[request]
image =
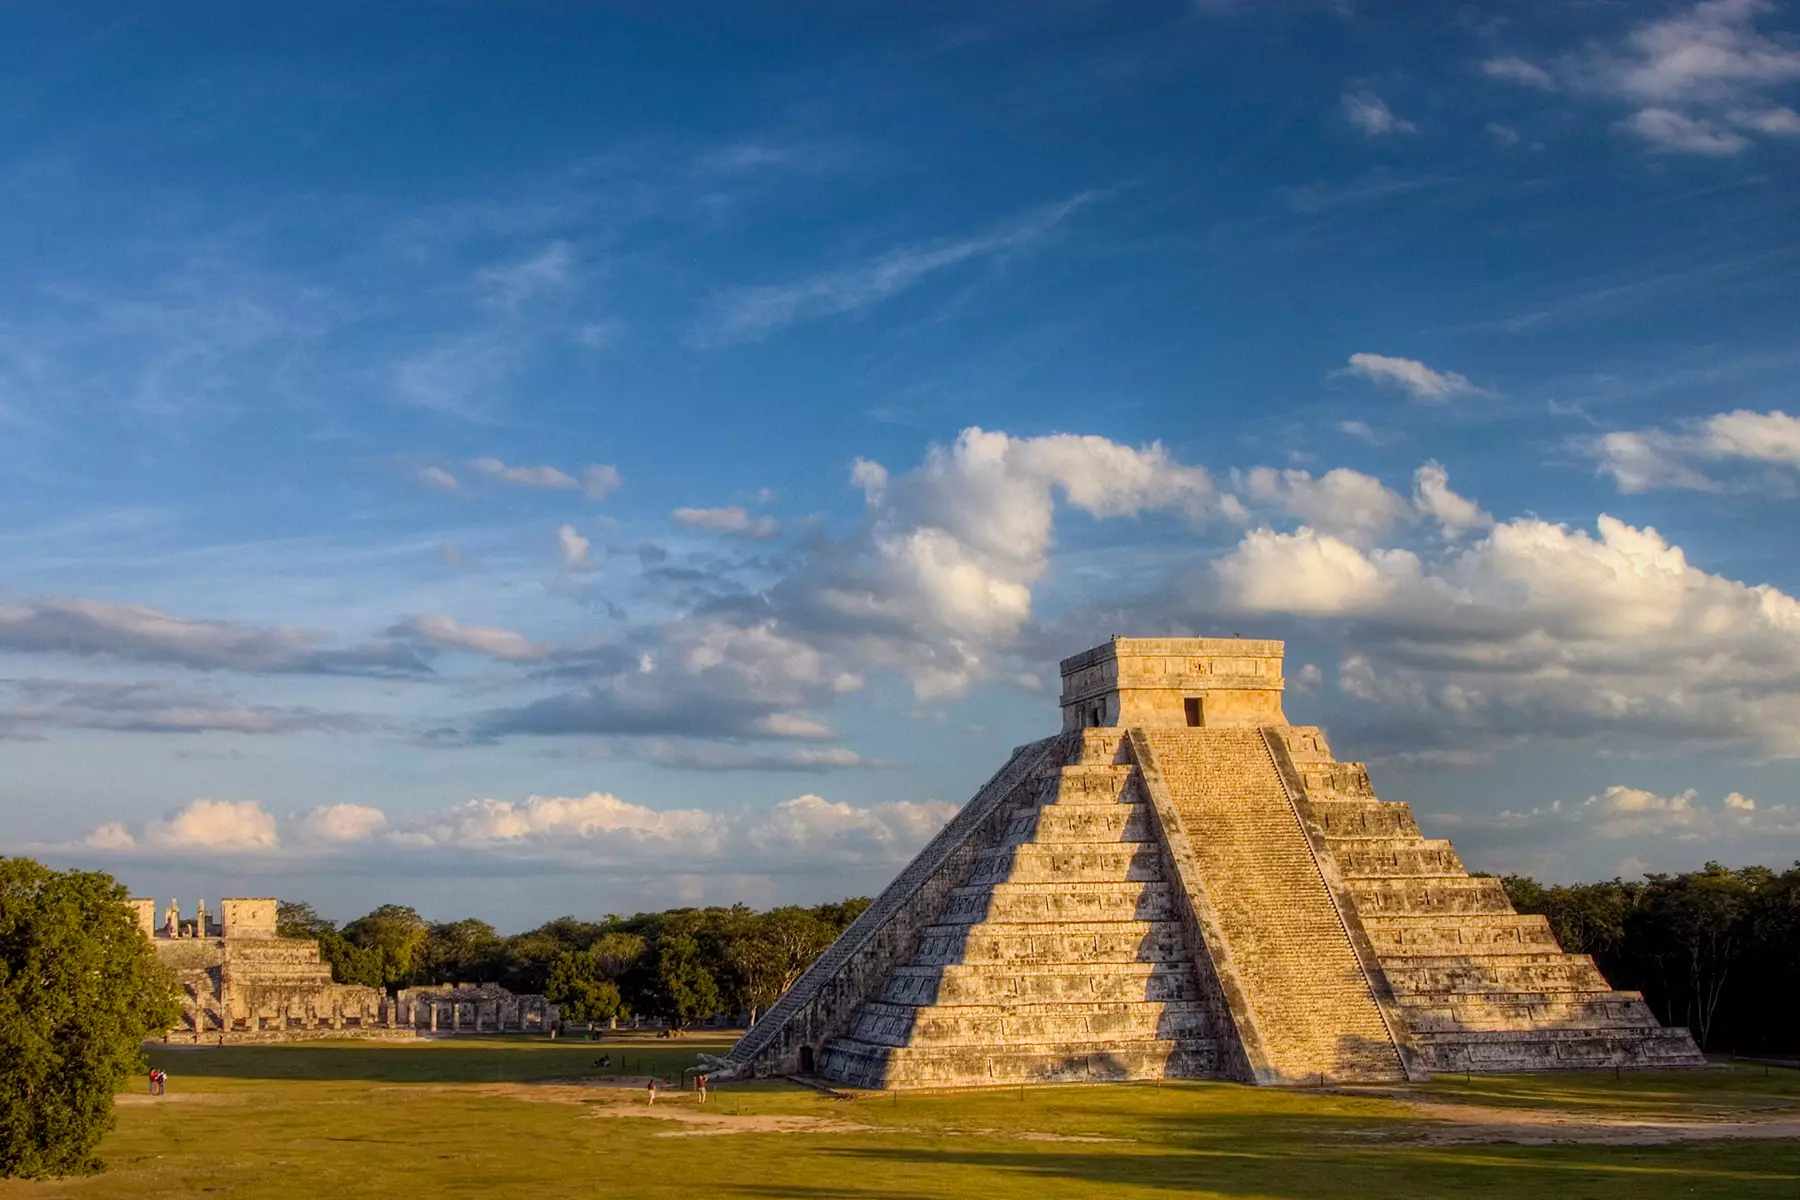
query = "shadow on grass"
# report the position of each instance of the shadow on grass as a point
(475, 1060)
(1245, 1161)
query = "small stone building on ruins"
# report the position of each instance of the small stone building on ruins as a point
(1183, 885)
(242, 981)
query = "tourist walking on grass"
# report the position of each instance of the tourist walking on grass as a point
(653, 1091)
(700, 1086)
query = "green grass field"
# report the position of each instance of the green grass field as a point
(502, 1118)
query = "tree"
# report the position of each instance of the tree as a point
(576, 988)
(80, 989)
(296, 919)
(616, 953)
(1694, 927)
(466, 951)
(397, 933)
(687, 989)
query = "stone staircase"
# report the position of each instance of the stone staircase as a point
(1312, 1005)
(1058, 958)
(1481, 987)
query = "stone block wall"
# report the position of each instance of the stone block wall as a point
(247, 918)
(822, 1003)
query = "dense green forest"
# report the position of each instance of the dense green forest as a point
(1717, 950)
(682, 965)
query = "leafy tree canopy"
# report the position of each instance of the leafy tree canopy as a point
(80, 989)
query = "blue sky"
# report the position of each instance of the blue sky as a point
(536, 458)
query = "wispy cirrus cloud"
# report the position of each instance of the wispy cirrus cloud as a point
(73, 626)
(33, 706)
(733, 520)
(1369, 114)
(1411, 376)
(1514, 69)
(597, 481)
(752, 313)
(445, 632)
(1699, 78)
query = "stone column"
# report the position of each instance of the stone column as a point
(433, 1014)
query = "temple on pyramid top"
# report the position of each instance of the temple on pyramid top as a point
(1180, 884)
(1217, 683)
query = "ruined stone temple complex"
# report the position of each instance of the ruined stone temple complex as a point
(243, 982)
(1183, 885)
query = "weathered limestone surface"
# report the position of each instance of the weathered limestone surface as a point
(1059, 958)
(248, 989)
(1182, 884)
(242, 983)
(1481, 987)
(1315, 1006)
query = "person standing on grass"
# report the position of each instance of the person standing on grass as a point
(700, 1086)
(653, 1091)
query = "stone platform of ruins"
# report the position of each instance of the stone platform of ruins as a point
(1183, 885)
(242, 981)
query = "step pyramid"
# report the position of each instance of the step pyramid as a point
(1182, 885)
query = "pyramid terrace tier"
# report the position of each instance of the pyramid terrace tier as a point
(1496, 973)
(995, 984)
(1552, 1049)
(1069, 863)
(864, 1064)
(881, 1023)
(1395, 858)
(1076, 823)
(1429, 896)
(1514, 1011)
(1074, 944)
(1060, 901)
(1397, 938)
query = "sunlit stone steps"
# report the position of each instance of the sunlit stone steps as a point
(1313, 1005)
(1060, 956)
